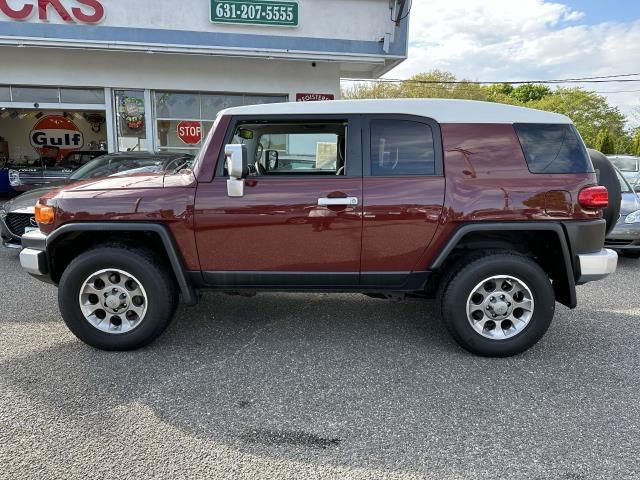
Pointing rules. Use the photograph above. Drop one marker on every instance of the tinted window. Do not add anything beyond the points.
(401, 148)
(553, 148)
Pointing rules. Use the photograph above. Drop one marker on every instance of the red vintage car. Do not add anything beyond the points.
(494, 210)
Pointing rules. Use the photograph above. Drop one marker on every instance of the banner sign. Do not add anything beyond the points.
(255, 12)
(314, 97)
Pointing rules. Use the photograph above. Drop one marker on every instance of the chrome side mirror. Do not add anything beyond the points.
(237, 167)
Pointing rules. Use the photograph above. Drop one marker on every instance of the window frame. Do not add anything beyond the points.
(437, 144)
(353, 142)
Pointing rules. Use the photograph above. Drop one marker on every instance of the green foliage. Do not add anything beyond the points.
(635, 143)
(529, 92)
(604, 142)
(590, 112)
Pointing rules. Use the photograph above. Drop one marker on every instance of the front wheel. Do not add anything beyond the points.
(497, 305)
(117, 298)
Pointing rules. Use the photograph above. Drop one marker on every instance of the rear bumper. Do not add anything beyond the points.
(596, 266)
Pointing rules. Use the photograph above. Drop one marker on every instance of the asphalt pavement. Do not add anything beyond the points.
(316, 386)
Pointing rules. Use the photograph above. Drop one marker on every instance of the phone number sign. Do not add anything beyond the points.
(255, 12)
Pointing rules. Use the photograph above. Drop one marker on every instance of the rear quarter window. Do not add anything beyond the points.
(553, 148)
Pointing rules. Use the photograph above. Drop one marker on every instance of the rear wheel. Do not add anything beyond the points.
(497, 305)
(117, 298)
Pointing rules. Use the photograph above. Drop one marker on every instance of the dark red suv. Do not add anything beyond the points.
(492, 209)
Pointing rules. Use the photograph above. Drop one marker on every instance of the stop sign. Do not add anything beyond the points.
(190, 132)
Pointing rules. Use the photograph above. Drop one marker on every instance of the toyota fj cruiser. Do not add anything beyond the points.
(492, 209)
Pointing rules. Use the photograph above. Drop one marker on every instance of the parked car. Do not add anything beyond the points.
(497, 243)
(5, 187)
(45, 170)
(17, 215)
(625, 236)
(628, 165)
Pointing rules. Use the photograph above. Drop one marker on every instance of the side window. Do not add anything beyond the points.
(552, 148)
(402, 147)
(295, 148)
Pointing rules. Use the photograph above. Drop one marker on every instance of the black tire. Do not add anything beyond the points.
(467, 274)
(630, 253)
(608, 178)
(160, 288)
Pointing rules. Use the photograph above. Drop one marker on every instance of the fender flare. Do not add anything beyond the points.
(571, 301)
(184, 284)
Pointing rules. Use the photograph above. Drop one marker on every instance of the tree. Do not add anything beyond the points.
(589, 111)
(530, 92)
(434, 84)
(604, 142)
(635, 143)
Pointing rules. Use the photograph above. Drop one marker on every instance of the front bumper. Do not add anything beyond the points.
(33, 257)
(34, 261)
(624, 236)
(596, 266)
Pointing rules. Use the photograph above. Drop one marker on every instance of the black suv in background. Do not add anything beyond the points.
(45, 170)
(17, 215)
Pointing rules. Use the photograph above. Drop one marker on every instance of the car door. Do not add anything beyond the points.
(299, 222)
(403, 195)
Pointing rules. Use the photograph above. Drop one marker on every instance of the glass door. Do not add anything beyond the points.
(131, 126)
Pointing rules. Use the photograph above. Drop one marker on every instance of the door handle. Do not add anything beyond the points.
(349, 201)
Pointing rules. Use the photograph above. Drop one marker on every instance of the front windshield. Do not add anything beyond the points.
(624, 186)
(625, 164)
(108, 165)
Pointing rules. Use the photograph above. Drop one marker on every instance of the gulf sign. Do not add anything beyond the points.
(58, 132)
(190, 133)
(76, 11)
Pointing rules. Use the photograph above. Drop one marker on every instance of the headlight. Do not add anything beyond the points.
(14, 178)
(633, 217)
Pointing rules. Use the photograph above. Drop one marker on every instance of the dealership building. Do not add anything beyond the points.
(151, 75)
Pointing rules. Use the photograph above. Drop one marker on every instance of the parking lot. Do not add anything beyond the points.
(319, 386)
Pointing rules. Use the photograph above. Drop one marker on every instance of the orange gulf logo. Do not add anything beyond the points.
(56, 132)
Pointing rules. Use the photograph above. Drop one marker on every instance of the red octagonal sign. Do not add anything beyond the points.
(190, 132)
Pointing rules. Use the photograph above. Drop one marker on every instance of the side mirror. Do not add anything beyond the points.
(237, 167)
(636, 188)
(272, 159)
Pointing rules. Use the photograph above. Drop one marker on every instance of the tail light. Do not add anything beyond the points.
(593, 198)
(45, 214)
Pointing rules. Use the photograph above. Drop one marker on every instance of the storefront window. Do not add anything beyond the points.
(130, 116)
(177, 105)
(94, 96)
(5, 94)
(32, 95)
(212, 104)
(183, 120)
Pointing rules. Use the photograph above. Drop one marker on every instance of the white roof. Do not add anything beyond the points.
(441, 110)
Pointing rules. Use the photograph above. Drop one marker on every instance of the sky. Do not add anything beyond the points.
(502, 40)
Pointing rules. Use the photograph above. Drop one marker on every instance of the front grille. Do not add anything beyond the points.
(18, 222)
(617, 243)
